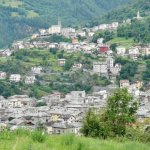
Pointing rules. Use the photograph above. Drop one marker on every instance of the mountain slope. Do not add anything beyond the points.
(19, 18)
(128, 11)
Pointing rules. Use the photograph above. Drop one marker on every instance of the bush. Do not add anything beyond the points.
(38, 136)
(137, 135)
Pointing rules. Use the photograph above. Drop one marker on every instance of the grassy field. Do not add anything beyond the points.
(127, 43)
(27, 141)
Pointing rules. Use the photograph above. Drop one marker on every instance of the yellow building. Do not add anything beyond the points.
(55, 117)
(75, 41)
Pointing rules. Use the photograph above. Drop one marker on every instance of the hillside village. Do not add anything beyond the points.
(63, 112)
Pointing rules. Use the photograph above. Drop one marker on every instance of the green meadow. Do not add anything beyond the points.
(24, 140)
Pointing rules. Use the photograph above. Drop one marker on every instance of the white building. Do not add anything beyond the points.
(36, 70)
(115, 25)
(65, 45)
(53, 45)
(100, 67)
(134, 53)
(102, 27)
(61, 62)
(55, 29)
(116, 69)
(77, 66)
(121, 51)
(100, 41)
(81, 33)
(3, 75)
(91, 34)
(15, 77)
(6, 52)
(67, 31)
(42, 31)
(110, 62)
(30, 80)
(146, 50)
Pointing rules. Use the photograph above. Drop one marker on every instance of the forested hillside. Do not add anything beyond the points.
(128, 11)
(20, 18)
(138, 30)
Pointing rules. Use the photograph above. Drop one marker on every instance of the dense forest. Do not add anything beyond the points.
(19, 19)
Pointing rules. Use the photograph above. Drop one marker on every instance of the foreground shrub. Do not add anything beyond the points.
(137, 135)
(38, 136)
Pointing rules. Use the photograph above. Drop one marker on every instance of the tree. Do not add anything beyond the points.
(113, 47)
(53, 50)
(91, 124)
(120, 113)
(107, 35)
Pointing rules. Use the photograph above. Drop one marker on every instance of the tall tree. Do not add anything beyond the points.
(120, 113)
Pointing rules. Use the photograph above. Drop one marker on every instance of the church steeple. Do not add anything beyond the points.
(138, 15)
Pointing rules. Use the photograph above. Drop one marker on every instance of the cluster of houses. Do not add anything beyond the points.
(62, 113)
(17, 78)
(87, 47)
(134, 52)
(111, 26)
(28, 79)
(71, 32)
(6, 52)
(69, 47)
